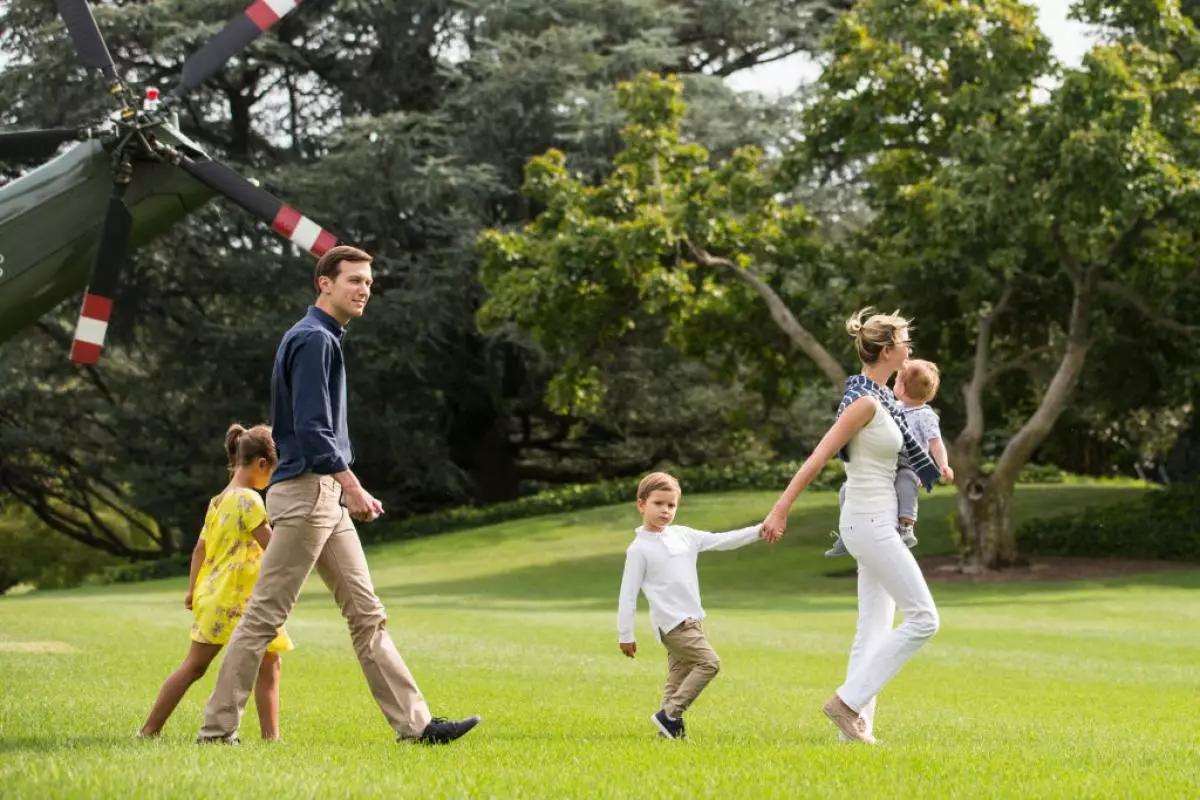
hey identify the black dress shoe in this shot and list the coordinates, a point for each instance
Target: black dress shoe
(443, 731)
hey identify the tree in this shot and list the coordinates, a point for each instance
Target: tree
(46, 465)
(1022, 231)
(32, 553)
(665, 235)
(403, 127)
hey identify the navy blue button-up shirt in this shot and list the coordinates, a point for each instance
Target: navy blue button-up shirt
(308, 399)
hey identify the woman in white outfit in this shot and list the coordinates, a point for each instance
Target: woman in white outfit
(871, 429)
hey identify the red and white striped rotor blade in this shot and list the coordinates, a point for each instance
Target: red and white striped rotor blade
(91, 328)
(233, 38)
(283, 219)
(94, 315)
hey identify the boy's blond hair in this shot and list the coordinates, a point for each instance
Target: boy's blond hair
(921, 379)
(657, 482)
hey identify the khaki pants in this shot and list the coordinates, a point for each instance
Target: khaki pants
(691, 664)
(310, 526)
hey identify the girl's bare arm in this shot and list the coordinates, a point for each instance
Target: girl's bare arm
(198, 555)
(262, 535)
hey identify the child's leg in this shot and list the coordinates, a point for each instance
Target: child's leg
(194, 665)
(908, 487)
(676, 672)
(699, 663)
(266, 695)
(839, 547)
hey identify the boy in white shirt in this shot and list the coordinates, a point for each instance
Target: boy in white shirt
(661, 563)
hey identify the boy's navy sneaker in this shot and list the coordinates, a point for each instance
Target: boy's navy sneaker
(671, 728)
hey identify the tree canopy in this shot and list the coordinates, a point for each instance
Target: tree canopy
(1029, 216)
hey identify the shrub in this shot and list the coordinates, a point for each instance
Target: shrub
(137, 571)
(31, 553)
(1159, 525)
(1040, 473)
(695, 480)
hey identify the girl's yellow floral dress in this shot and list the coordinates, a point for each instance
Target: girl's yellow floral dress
(230, 568)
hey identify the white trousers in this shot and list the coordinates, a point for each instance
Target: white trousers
(888, 576)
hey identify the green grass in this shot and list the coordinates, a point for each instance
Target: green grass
(1048, 690)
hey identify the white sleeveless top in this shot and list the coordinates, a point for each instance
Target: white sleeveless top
(871, 470)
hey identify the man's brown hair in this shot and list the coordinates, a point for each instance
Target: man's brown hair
(657, 482)
(330, 264)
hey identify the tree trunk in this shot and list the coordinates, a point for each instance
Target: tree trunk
(493, 467)
(984, 514)
(985, 501)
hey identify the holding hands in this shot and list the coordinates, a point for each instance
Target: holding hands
(773, 526)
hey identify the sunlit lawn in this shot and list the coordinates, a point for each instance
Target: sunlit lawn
(1029, 690)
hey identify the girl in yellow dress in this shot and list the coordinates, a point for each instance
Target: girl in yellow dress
(224, 568)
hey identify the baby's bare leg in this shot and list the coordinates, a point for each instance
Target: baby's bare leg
(908, 486)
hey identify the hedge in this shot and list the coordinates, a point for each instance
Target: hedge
(171, 567)
(695, 480)
(1159, 525)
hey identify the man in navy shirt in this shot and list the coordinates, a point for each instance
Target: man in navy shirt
(312, 503)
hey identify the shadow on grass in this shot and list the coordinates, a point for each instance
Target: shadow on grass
(757, 577)
(594, 581)
(1041, 591)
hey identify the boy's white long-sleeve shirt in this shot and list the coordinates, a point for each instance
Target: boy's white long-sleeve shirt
(663, 567)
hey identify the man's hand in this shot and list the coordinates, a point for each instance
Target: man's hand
(361, 505)
(947, 474)
(187, 601)
(629, 648)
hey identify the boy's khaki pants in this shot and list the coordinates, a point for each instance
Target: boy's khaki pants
(691, 664)
(310, 526)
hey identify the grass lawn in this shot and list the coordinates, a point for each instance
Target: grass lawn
(1030, 690)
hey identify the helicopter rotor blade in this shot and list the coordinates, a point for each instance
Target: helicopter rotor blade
(233, 38)
(94, 314)
(283, 219)
(85, 35)
(38, 144)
